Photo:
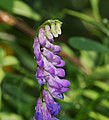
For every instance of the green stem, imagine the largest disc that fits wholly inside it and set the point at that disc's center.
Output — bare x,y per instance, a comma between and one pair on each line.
95,9
42,88
88,19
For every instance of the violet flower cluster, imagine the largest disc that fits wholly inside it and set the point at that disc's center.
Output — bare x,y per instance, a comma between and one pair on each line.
49,71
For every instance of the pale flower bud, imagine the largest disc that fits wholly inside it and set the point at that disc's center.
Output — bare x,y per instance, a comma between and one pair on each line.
53,29
58,28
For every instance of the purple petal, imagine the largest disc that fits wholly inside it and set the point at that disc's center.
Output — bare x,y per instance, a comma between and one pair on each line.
60,72
40,63
65,83
46,113
63,89
49,67
60,64
41,36
48,54
54,118
51,70
56,59
58,95
52,106
49,45
40,76
57,49
37,51
41,81
40,72
52,82
55,93
38,113
51,40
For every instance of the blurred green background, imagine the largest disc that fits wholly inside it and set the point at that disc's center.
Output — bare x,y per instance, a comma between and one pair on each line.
85,44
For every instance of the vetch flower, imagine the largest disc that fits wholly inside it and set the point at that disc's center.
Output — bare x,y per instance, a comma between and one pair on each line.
49,71
38,113
41,36
41,76
46,113
58,28
42,112
37,51
48,33
52,106
53,29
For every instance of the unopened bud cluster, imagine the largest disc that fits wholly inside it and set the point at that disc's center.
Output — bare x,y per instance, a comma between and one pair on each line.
49,71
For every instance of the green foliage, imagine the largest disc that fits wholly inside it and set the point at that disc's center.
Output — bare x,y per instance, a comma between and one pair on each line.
81,43
5,116
87,57
20,8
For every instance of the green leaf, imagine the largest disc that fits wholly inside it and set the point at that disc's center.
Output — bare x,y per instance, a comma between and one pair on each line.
7,36
10,60
2,74
98,116
88,58
20,8
91,94
102,85
7,60
105,103
2,56
23,9
81,43
7,116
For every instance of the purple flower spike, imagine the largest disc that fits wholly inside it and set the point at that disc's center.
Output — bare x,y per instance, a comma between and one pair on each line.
52,106
49,71
38,113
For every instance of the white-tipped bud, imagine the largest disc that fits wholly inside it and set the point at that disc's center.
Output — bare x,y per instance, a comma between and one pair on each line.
53,29
58,28
48,32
